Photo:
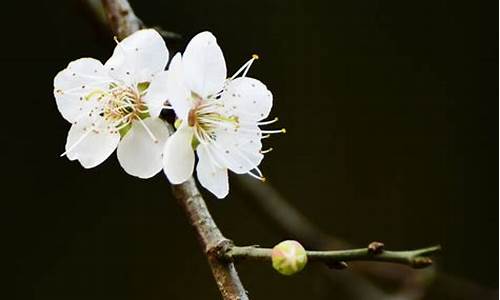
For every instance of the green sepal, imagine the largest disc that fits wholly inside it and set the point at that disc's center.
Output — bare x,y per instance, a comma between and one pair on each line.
124,130
194,143
177,123
144,115
142,86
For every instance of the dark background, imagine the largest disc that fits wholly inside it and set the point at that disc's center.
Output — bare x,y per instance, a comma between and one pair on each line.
391,109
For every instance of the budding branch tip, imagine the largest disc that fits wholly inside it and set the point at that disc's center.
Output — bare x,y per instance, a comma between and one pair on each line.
376,247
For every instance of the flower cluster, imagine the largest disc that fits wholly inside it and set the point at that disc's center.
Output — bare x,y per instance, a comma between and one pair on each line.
117,105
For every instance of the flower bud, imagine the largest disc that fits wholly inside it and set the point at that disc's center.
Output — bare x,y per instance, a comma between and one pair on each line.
289,257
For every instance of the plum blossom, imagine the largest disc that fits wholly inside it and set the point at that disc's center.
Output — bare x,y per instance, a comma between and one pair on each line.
218,117
117,105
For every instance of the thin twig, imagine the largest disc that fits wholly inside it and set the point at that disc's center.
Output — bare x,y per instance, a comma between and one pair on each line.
412,284
414,258
292,222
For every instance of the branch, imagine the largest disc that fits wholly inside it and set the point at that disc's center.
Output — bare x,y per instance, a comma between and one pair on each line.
122,18
211,240
414,258
124,22
291,221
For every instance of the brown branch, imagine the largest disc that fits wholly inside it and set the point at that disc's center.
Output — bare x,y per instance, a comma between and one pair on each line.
211,239
121,17
124,22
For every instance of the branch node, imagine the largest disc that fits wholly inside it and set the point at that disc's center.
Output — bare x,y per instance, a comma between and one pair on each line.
375,248
420,262
220,250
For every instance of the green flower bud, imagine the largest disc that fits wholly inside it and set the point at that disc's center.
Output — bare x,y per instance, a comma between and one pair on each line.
289,257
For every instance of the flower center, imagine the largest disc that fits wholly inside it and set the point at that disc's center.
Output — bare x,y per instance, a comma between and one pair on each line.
120,105
123,106
206,118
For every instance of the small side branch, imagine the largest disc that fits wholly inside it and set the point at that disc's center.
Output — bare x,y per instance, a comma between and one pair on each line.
265,198
413,258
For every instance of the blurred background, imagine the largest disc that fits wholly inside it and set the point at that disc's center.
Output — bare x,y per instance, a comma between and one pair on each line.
391,109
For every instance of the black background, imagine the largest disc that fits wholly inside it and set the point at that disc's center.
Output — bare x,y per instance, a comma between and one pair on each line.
391,109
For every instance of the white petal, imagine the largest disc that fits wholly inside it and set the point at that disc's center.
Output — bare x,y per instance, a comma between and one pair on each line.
140,155
239,150
178,156
73,84
211,177
247,98
176,65
91,145
204,65
178,92
156,94
138,57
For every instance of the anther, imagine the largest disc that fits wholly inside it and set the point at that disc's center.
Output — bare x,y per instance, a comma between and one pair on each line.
261,178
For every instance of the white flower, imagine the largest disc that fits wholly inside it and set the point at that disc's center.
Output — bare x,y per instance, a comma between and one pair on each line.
117,105
219,117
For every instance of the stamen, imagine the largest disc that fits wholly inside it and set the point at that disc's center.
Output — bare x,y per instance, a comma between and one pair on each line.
254,57
122,126
127,116
258,171
155,140
203,136
116,109
265,136
266,151
77,142
261,178
283,130
245,67
268,122
210,104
